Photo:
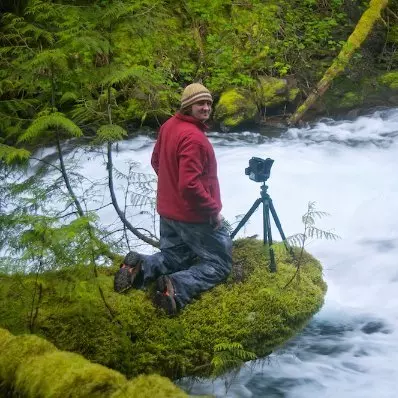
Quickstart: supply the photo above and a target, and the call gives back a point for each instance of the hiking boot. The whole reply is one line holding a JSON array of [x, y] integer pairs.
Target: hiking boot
[[165, 294], [130, 273]]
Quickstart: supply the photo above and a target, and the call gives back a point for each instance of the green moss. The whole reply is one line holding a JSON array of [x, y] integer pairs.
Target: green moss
[[235, 107], [293, 93], [152, 386], [256, 312], [272, 91], [350, 100], [63, 374], [17, 351], [390, 79], [33, 368], [5, 338]]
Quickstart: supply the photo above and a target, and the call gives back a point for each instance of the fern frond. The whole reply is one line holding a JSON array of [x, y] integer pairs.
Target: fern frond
[[227, 225], [50, 59], [110, 133], [296, 239], [122, 75], [68, 96], [309, 217], [17, 105], [86, 110], [37, 33], [55, 120], [17, 30], [317, 233], [228, 356], [141, 200], [10, 155]]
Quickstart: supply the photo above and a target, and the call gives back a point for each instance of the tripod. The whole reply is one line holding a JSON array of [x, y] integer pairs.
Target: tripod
[[268, 207]]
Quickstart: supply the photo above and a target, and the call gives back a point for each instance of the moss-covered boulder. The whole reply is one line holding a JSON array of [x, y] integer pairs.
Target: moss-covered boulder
[[272, 91], [235, 107], [390, 79], [348, 93], [249, 315], [31, 367]]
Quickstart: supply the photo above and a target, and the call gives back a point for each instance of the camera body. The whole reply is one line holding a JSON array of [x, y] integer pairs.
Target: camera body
[[259, 169]]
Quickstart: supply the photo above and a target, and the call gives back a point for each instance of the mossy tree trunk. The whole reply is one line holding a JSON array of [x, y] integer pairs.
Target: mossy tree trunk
[[358, 36]]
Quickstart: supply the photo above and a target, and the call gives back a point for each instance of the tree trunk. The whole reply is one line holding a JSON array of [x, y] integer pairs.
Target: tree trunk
[[120, 213], [358, 36]]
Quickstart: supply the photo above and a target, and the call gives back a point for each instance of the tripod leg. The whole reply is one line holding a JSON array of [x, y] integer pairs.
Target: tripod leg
[[279, 226], [246, 217], [268, 235]]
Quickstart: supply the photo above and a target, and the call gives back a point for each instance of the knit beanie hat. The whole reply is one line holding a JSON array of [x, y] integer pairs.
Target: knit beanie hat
[[193, 93]]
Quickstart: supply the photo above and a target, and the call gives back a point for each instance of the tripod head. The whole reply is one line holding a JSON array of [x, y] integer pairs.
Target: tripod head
[[259, 169]]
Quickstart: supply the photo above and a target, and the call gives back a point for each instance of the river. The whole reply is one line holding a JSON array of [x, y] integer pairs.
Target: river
[[349, 169]]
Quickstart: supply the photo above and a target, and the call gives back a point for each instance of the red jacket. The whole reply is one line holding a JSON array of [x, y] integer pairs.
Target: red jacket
[[184, 160]]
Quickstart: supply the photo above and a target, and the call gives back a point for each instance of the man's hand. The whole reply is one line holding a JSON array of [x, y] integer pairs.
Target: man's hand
[[216, 221]]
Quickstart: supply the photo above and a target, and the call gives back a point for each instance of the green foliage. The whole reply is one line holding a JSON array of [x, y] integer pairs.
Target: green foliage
[[56, 121], [300, 240], [13, 155], [110, 132], [229, 355], [36, 231], [247, 318], [310, 230], [62, 56]]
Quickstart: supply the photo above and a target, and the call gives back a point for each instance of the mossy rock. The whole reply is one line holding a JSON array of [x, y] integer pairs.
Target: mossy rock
[[17, 351], [235, 107], [65, 374], [152, 386], [370, 91], [272, 92], [390, 79], [31, 367], [127, 333]]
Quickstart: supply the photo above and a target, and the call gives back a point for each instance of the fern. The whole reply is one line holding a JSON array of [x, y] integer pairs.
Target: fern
[[311, 232], [122, 75], [55, 120], [53, 60], [11, 155], [228, 356], [68, 96], [110, 133]]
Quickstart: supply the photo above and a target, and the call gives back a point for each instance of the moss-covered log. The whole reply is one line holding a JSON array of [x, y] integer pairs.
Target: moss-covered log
[[252, 310], [31, 367], [358, 36]]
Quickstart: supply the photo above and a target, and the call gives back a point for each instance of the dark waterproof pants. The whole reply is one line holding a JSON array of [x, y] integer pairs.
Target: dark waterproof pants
[[195, 256]]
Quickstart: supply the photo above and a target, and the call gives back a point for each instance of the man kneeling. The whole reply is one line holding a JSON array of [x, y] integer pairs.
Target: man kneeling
[[195, 249]]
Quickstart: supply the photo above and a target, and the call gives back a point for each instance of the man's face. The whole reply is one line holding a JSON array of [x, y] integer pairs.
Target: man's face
[[201, 110]]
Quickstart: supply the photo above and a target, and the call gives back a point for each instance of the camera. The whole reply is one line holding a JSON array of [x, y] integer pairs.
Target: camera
[[259, 169]]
